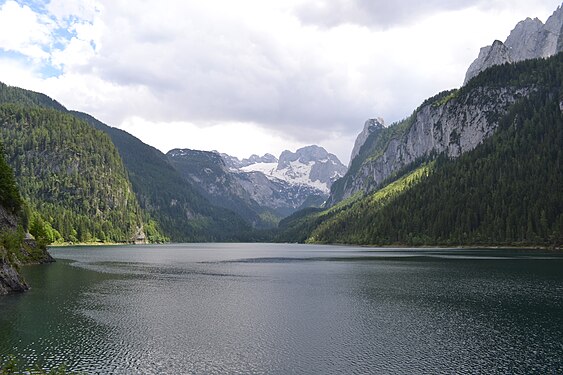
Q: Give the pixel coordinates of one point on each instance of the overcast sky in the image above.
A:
(249, 76)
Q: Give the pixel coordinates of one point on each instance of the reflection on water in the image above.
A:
(227, 308)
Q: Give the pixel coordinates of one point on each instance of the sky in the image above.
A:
(249, 76)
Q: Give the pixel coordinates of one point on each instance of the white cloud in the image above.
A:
(248, 75)
(24, 31)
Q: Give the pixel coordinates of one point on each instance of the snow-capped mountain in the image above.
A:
(310, 166)
(260, 189)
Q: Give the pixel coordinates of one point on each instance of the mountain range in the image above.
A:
(95, 183)
(263, 189)
(476, 165)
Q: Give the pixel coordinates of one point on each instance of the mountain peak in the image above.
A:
(311, 166)
(529, 39)
(370, 126)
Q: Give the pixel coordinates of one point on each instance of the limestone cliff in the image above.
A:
(452, 122)
(530, 39)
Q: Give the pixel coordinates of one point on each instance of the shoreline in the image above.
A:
(388, 246)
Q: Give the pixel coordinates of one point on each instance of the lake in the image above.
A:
(289, 309)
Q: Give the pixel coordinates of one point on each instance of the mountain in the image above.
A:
(70, 173)
(478, 165)
(243, 187)
(91, 182)
(310, 166)
(452, 122)
(530, 39)
(234, 162)
(370, 126)
(175, 205)
(208, 173)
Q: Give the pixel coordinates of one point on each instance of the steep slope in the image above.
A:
(208, 173)
(508, 189)
(15, 249)
(370, 126)
(70, 173)
(452, 122)
(530, 39)
(181, 211)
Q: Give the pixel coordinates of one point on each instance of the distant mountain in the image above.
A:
(310, 166)
(234, 162)
(243, 187)
(209, 175)
(530, 39)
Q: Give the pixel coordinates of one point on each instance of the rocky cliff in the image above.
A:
(530, 39)
(10, 280)
(370, 126)
(16, 249)
(452, 122)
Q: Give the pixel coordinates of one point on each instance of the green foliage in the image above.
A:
(28, 98)
(344, 224)
(507, 191)
(9, 194)
(444, 97)
(43, 232)
(70, 174)
(181, 212)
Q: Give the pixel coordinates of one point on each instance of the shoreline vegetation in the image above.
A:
(513, 246)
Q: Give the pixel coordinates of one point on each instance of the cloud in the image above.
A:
(24, 31)
(298, 71)
(385, 14)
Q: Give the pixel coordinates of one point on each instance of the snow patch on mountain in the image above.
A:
(312, 166)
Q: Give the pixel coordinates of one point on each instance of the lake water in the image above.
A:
(289, 309)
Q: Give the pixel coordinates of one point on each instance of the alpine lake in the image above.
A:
(289, 309)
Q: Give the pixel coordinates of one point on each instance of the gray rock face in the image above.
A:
(10, 280)
(530, 39)
(453, 128)
(525, 41)
(370, 126)
(496, 54)
(279, 195)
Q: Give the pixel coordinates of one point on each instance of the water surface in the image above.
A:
(283, 309)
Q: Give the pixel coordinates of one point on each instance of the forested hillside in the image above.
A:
(70, 173)
(181, 212)
(508, 190)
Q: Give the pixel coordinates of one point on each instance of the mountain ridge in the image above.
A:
(529, 39)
